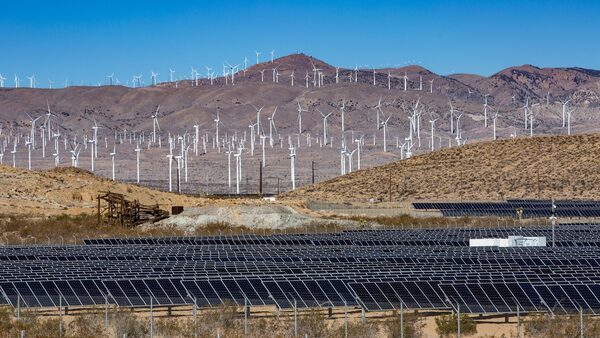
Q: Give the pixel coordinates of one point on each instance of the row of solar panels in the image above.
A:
(528, 209)
(366, 238)
(372, 296)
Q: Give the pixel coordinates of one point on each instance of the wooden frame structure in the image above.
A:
(120, 211)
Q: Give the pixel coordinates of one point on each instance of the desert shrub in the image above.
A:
(87, 326)
(413, 326)
(560, 326)
(447, 325)
(125, 322)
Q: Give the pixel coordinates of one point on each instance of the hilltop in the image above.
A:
(183, 104)
(561, 167)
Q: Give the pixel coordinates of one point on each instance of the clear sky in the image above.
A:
(85, 40)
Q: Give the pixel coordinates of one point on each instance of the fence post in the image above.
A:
(245, 316)
(518, 322)
(345, 319)
(401, 319)
(60, 316)
(106, 315)
(458, 319)
(581, 322)
(295, 318)
(151, 319)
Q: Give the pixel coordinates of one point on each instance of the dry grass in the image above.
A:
(541, 167)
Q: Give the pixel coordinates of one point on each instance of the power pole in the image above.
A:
(313, 171)
(260, 179)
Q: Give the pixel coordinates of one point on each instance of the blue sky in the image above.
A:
(86, 40)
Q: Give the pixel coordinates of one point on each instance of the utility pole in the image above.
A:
(313, 171)
(260, 178)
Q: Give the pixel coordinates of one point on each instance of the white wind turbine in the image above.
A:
(228, 153)
(155, 124)
(300, 110)
(494, 118)
(31, 81)
(112, 158)
(2, 79)
(432, 131)
(257, 55)
(272, 126)
(485, 108)
(385, 131)
(272, 55)
(28, 144)
(137, 162)
(431, 86)
(92, 146)
(405, 81)
(569, 112)
(171, 72)
(258, 110)
(32, 132)
(293, 166)
(343, 108)
(389, 78)
(17, 82)
(358, 142)
(564, 110)
(292, 77)
(324, 125)
(154, 78)
(378, 109)
(14, 153)
(110, 78)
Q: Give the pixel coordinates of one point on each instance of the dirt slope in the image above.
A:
(70, 191)
(540, 167)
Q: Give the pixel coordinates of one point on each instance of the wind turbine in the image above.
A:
(257, 54)
(324, 125)
(343, 108)
(494, 118)
(564, 110)
(110, 79)
(32, 132)
(569, 120)
(155, 124)
(171, 72)
(431, 86)
(272, 55)
(300, 110)
(258, 118)
(485, 107)
(154, 78)
(31, 81)
(271, 126)
(385, 130)
(112, 158)
(432, 131)
(2, 78)
(293, 166)
(137, 162)
(378, 109)
(405, 81)
(16, 81)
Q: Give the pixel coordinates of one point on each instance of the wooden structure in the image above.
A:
(120, 211)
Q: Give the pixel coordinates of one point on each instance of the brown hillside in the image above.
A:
(70, 191)
(540, 167)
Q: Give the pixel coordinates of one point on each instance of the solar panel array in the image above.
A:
(530, 208)
(373, 269)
